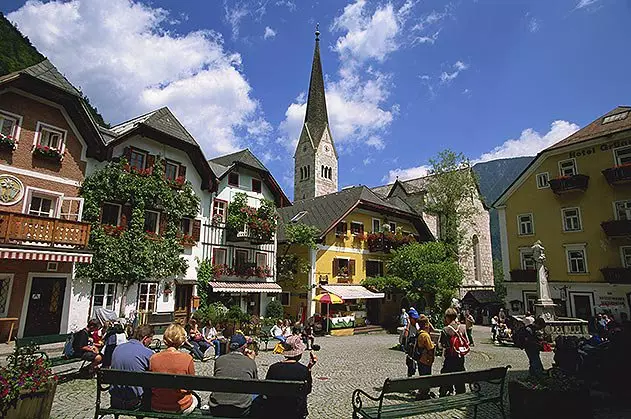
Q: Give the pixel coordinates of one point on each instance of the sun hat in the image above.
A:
(294, 346)
(237, 340)
(413, 313)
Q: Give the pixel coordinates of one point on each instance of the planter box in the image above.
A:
(34, 405)
(527, 403)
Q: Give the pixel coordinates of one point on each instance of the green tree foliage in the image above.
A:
(128, 254)
(289, 267)
(498, 278)
(451, 195)
(390, 284)
(302, 235)
(274, 310)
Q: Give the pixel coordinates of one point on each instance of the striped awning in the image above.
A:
(45, 255)
(246, 287)
(351, 292)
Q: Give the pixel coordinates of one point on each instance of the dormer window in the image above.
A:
(233, 179)
(616, 117)
(298, 216)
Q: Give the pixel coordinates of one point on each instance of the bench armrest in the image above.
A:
(357, 400)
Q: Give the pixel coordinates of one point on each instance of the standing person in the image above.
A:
(83, 345)
(528, 319)
(291, 370)
(238, 363)
(211, 335)
(410, 335)
(533, 345)
(426, 352)
(132, 355)
(172, 361)
(469, 322)
(494, 325)
(404, 318)
(453, 340)
(502, 315)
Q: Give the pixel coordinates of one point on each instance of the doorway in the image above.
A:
(583, 305)
(45, 306)
(183, 296)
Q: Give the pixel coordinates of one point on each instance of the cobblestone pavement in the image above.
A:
(345, 363)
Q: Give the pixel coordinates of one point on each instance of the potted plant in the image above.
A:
(8, 142)
(188, 240)
(167, 288)
(27, 385)
(48, 152)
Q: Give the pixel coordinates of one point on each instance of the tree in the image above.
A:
(274, 310)
(451, 195)
(290, 266)
(498, 278)
(128, 254)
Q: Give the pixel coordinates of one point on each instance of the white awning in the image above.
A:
(45, 255)
(246, 287)
(352, 292)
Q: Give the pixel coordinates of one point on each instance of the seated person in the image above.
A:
(287, 329)
(277, 331)
(98, 336)
(197, 341)
(211, 335)
(114, 336)
(83, 346)
(238, 363)
(307, 336)
(172, 361)
(133, 355)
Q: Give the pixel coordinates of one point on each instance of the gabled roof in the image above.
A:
(245, 157)
(161, 120)
(47, 72)
(410, 187)
(324, 212)
(482, 297)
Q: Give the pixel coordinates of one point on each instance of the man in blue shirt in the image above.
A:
(132, 356)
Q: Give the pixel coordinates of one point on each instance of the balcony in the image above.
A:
(618, 175)
(523, 275)
(16, 228)
(617, 228)
(385, 242)
(617, 275)
(249, 235)
(566, 184)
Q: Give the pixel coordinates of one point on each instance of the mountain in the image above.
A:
(17, 53)
(494, 177)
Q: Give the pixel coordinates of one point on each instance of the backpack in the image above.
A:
(69, 347)
(411, 346)
(520, 338)
(458, 344)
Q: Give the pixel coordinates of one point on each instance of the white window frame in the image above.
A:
(573, 160)
(373, 225)
(7, 277)
(120, 211)
(224, 216)
(18, 122)
(44, 126)
(280, 298)
(157, 221)
(106, 286)
(70, 199)
(623, 258)
(356, 222)
(55, 196)
(522, 260)
(616, 157)
(547, 177)
(615, 209)
(298, 216)
(532, 224)
(217, 250)
(148, 284)
(578, 214)
(256, 260)
(573, 248)
(170, 163)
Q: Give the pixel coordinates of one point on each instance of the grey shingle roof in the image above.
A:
(47, 72)
(161, 120)
(218, 169)
(411, 186)
(245, 157)
(316, 118)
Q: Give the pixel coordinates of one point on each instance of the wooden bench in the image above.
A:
(475, 397)
(46, 340)
(107, 377)
(265, 335)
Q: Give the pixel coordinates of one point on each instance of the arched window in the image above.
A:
(476, 258)
(308, 172)
(302, 174)
(322, 171)
(330, 173)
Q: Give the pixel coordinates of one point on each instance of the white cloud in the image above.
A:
(458, 67)
(237, 11)
(426, 39)
(405, 174)
(123, 57)
(288, 4)
(368, 160)
(585, 3)
(269, 33)
(534, 24)
(530, 142)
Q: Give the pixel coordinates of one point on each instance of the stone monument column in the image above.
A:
(545, 306)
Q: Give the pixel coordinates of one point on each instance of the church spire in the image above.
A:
(316, 118)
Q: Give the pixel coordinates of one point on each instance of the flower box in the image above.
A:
(34, 405)
(177, 183)
(48, 153)
(530, 399)
(188, 240)
(7, 142)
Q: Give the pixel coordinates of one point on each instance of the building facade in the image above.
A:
(576, 198)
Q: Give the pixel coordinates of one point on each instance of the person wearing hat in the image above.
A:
(238, 363)
(291, 370)
(410, 335)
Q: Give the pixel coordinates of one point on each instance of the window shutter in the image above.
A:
(125, 216)
(162, 228)
(197, 228)
(351, 267)
(182, 172)
(151, 160)
(127, 153)
(336, 267)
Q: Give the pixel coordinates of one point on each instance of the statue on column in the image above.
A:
(544, 306)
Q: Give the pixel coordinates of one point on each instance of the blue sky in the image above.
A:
(405, 79)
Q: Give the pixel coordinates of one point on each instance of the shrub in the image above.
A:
(274, 310)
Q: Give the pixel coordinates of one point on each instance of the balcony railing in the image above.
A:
(249, 235)
(523, 275)
(617, 275)
(617, 228)
(618, 175)
(569, 184)
(16, 228)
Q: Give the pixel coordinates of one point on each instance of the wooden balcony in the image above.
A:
(617, 275)
(576, 183)
(247, 235)
(523, 275)
(618, 175)
(617, 228)
(16, 228)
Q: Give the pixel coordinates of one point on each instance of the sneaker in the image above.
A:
(208, 352)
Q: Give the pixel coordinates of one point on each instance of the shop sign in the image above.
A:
(11, 190)
(606, 301)
(603, 147)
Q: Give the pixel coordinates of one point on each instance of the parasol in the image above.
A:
(328, 299)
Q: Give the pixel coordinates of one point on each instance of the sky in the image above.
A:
(404, 79)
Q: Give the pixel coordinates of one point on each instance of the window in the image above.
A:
(623, 156)
(147, 296)
(110, 214)
(343, 268)
(241, 260)
(527, 261)
(185, 226)
(8, 125)
(340, 229)
(616, 117)
(219, 256)
(576, 260)
(256, 185)
(152, 219)
(284, 298)
(51, 137)
(623, 210)
(220, 208)
(170, 170)
(625, 252)
(476, 258)
(357, 228)
(298, 216)
(137, 159)
(374, 268)
(261, 260)
(393, 227)
(525, 225)
(104, 295)
(567, 167)
(6, 282)
(543, 180)
(42, 206)
(571, 219)
(71, 208)
(233, 179)
(376, 225)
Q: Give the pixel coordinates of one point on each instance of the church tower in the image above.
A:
(315, 160)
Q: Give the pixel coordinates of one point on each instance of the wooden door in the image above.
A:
(45, 306)
(183, 296)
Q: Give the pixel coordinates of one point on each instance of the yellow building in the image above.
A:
(575, 197)
(357, 229)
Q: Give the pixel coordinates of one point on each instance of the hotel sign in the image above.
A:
(603, 147)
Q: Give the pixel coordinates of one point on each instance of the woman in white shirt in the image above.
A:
(210, 334)
(287, 328)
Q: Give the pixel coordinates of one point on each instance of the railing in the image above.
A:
(618, 175)
(34, 230)
(523, 275)
(617, 275)
(569, 184)
(616, 228)
(248, 235)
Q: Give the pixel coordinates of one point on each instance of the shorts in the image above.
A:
(88, 356)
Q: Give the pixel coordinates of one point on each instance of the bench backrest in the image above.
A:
(403, 385)
(265, 330)
(200, 383)
(41, 340)
(167, 317)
